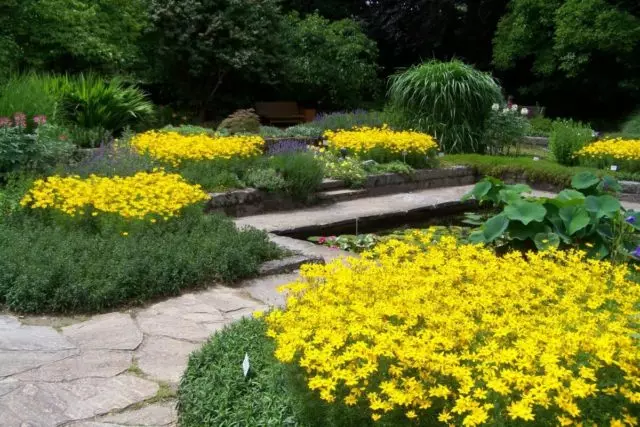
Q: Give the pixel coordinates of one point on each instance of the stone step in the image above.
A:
(331, 184)
(342, 194)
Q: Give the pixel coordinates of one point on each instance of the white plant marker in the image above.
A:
(614, 168)
(245, 365)
(441, 154)
(535, 159)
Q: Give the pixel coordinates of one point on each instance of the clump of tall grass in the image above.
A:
(449, 100)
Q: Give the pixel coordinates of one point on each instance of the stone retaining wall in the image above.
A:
(542, 141)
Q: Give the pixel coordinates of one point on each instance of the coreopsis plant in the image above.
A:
(624, 153)
(384, 144)
(173, 148)
(454, 334)
(143, 196)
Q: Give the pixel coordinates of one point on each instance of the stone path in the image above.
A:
(117, 369)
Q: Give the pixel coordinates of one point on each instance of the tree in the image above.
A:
(581, 52)
(330, 62)
(197, 44)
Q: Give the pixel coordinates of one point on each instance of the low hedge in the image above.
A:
(214, 391)
(56, 266)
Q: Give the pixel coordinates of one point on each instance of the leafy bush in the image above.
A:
(540, 126)
(265, 179)
(37, 150)
(567, 137)
(189, 130)
(588, 217)
(241, 121)
(304, 131)
(31, 94)
(302, 172)
(47, 266)
(416, 332)
(112, 159)
(349, 120)
(450, 100)
(391, 167)
(215, 175)
(91, 102)
(348, 169)
(16, 185)
(271, 132)
(631, 127)
(504, 130)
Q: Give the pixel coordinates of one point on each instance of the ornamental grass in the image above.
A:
(624, 153)
(454, 334)
(384, 144)
(142, 196)
(173, 148)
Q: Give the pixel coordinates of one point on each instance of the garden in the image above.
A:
(522, 310)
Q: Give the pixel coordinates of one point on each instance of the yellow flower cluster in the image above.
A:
(144, 195)
(457, 333)
(617, 149)
(173, 148)
(364, 139)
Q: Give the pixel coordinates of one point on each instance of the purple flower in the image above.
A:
(636, 253)
(5, 122)
(631, 219)
(40, 119)
(20, 120)
(286, 146)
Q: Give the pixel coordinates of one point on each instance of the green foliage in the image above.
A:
(16, 185)
(540, 126)
(330, 62)
(567, 137)
(31, 94)
(348, 169)
(302, 172)
(189, 130)
(38, 150)
(449, 100)
(265, 179)
(90, 102)
(504, 130)
(241, 121)
(55, 266)
(304, 131)
(271, 132)
(195, 46)
(588, 217)
(215, 175)
(114, 159)
(631, 127)
(350, 120)
(392, 167)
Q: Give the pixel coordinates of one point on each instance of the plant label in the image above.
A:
(245, 365)
(614, 168)
(535, 159)
(441, 154)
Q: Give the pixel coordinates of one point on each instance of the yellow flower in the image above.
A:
(616, 149)
(124, 233)
(365, 139)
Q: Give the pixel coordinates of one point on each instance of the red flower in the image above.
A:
(5, 122)
(322, 240)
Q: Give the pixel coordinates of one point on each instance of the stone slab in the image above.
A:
(91, 363)
(114, 331)
(15, 362)
(17, 337)
(265, 288)
(163, 358)
(288, 264)
(159, 414)
(51, 404)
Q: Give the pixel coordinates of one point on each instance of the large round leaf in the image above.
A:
(545, 241)
(478, 191)
(519, 231)
(525, 212)
(568, 198)
(584, 180)
(602, 205)
(495, 227)
(574, 219)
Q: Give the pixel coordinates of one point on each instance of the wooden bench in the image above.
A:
(283, 112)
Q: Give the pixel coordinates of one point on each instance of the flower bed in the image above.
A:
(624, 153)
(384, 144)
(142, 196)
(173, 148)
(455, 333)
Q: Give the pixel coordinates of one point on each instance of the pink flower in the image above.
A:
(5, 122)
(331, 238)
(20, 120)
(322, 240)
(40, 119)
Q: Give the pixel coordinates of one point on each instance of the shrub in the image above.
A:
(38, 150)
(286, 146)
(265, 179)
(213, 175)
(31, 94)
(91, 102)
(349, 120)
(632, 126)
(49, 267)
(16, 185)
(413, 333)
(111, 159)
(189, 130)
(391, 167)
(504, 130)
(304, 131)
(241, 121)
(540, 126)
(348, 169)
(385, 145)
(450, 100)
(302, 172)
(567, 137)
(624, 153)
(271, 132)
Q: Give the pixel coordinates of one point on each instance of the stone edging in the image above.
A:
(542, 141)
